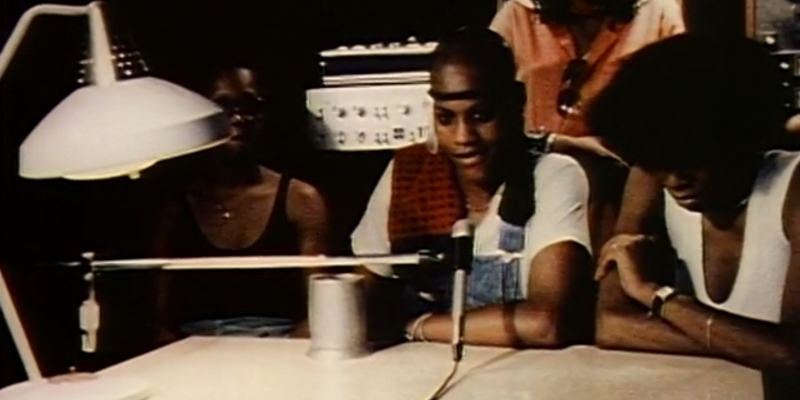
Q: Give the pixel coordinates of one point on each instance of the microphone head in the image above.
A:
(463, 228)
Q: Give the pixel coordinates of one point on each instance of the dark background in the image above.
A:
(183, 41)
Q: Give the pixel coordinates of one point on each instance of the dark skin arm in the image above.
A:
(559, 282)
(592, 144)
(306, 209)
(642, 203)
(791, 140)
(685, 326)
(622, 322)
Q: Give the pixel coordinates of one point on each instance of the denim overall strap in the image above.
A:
(494, 280)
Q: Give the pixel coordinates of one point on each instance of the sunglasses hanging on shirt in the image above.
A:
(575, 76)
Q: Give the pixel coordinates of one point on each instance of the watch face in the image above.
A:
(664, 291)
(539, 133)
(536, 144)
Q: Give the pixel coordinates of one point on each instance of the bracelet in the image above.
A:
(421, 326)
(709, 321)
(416, 326)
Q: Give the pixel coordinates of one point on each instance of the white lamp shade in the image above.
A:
(101, 132)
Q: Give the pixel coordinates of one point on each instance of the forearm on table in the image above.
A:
(754, 343)
(634, 330)
(623, 323)
(688, 327)
(505, 325)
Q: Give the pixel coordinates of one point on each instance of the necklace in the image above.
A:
(223, 212)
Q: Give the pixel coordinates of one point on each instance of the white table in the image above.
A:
(201, 368)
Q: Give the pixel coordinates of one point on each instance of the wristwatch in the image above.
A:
(540, 140)
(660, 297)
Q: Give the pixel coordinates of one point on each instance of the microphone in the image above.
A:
(462, 235)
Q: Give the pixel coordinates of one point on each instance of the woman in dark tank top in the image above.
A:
(279, 236)
(197, 295)
(228, 204)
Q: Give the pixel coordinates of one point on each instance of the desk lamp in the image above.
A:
(120, 123)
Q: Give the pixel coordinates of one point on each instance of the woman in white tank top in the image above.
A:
(695, 113)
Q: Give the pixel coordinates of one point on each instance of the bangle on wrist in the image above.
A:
(411, 334)
(421, 327)
(709, 322)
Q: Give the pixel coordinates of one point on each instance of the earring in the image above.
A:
(432, 143)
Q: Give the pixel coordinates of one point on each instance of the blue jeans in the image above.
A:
(491, 281)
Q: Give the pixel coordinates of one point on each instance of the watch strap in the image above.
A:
(540, 141)
(660, 297)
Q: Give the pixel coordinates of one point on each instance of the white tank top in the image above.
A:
(758, 289)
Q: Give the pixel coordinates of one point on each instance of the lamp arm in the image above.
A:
(258, 262)
(103, 74)
(17, 331)
(102, 71)
(10, 48)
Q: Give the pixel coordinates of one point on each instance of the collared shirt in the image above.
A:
(543, 50)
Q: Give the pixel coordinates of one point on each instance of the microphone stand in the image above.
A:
(463, 237)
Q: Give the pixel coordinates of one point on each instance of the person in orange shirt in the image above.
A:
(566, 52)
